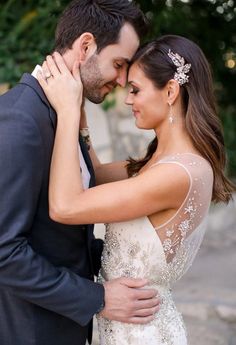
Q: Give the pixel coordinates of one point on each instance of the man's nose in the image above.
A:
(122, 78)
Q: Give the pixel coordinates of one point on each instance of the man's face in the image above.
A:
(102, 72)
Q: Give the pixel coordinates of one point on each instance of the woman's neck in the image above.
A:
(173, 138)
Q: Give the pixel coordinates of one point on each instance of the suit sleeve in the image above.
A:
(22, 271)
(97, 248)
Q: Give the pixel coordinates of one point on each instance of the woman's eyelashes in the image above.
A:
(134, 90)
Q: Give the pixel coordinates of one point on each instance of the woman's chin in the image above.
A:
(139, 125)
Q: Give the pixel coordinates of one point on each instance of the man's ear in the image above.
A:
(173, 90)
(84, 46)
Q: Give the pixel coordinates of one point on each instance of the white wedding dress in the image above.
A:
(162, 255)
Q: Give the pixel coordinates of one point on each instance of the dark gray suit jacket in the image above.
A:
(47, 293)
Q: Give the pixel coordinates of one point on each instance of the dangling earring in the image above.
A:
(171, 116)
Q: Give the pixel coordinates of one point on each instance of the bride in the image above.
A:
(155, 207)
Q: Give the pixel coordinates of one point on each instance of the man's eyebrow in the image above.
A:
(128, 61)
(124, 59)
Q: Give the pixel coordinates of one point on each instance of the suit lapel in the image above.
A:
(30, 81)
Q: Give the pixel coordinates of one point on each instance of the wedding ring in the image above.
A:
(48, 75)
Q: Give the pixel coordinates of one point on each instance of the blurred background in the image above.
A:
(27, 35)
(207, 294)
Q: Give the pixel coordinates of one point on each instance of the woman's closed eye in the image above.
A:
(134, 90)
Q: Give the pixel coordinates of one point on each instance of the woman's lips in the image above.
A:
(136, 113)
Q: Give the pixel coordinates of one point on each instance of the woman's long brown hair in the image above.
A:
(201, 120)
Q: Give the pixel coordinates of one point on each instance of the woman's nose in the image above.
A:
(128, 99)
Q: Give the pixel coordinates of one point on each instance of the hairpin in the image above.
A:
(182, 69)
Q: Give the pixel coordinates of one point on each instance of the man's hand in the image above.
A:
(127, 300)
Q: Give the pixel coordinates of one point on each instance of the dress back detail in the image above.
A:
(183, 233)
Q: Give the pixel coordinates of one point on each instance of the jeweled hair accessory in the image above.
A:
(182, 69)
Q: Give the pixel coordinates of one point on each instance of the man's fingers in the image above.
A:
(147, 312)
(145, 293)
(140, 320)
(133, 282)
(148, 303)
(127, 300)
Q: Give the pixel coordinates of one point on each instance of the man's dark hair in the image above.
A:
(102, 18)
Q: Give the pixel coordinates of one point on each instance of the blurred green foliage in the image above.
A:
(27, 35)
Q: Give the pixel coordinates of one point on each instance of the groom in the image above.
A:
(47, 292)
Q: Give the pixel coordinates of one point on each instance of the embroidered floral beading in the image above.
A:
(162, 255)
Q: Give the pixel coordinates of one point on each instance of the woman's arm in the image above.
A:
(159, 188)
(108, 172)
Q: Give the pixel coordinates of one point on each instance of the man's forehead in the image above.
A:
(116, 54)
(123, 58)
(120, 52)
(126, 45)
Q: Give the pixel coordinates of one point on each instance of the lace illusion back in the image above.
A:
(161, 254)
(175, 234)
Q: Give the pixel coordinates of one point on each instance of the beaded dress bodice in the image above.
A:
(161, 254)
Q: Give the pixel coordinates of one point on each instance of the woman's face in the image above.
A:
(149, 104)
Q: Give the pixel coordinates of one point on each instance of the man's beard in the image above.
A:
(92, 80)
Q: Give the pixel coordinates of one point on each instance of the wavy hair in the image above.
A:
(201, 120)
(103, 18)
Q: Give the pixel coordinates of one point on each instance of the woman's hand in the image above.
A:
(63, 89)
